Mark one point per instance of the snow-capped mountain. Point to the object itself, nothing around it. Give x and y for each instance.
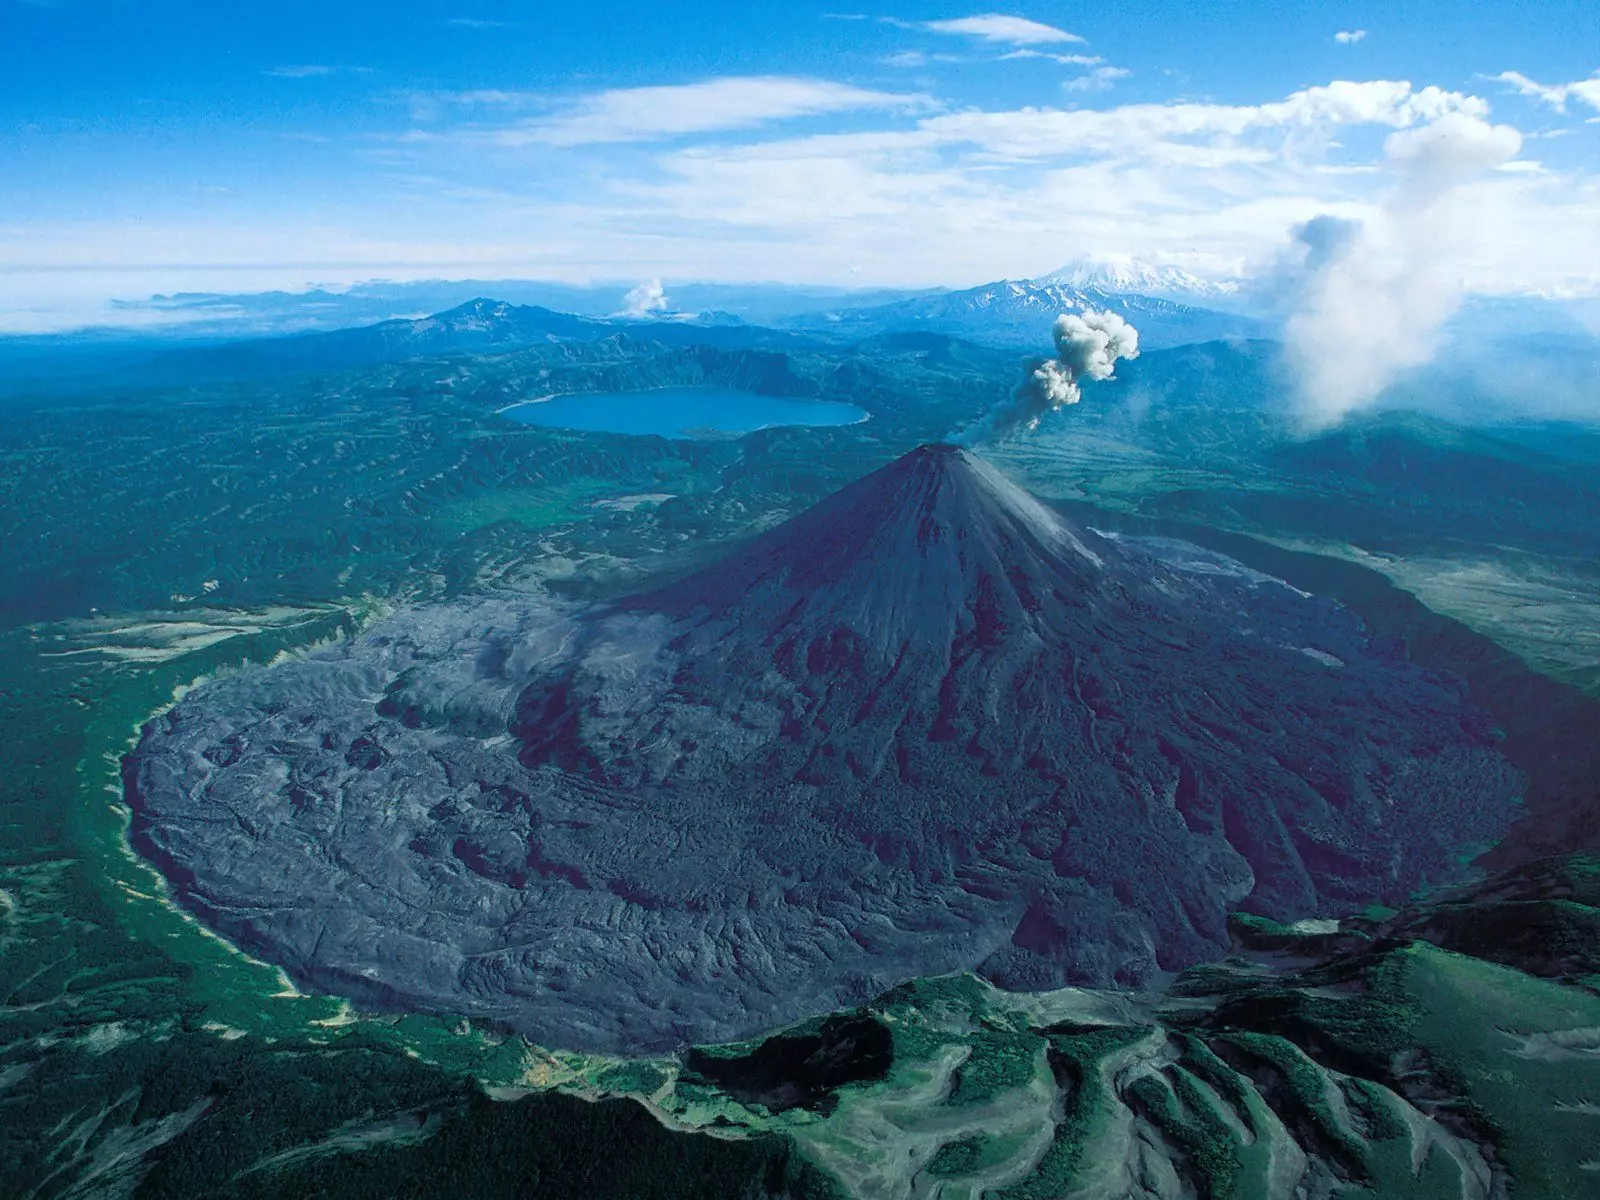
(1129, 275)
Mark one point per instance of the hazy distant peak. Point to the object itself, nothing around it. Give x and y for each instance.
(481, 313)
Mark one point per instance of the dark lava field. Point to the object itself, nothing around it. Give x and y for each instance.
(925, 726)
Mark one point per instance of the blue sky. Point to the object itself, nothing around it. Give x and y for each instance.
(148, 146)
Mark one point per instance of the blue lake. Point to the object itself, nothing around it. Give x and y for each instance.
(682, 412)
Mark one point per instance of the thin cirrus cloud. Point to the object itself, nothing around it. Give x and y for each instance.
(1011, 31)
(312, 71)
(1066, 60)
(1555, 95)
(913, 59)
(1097, 80)
(649, 114)
(300, 71)
(431, 106)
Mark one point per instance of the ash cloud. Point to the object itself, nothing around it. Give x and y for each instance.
(1088, 346)
(1368, 300)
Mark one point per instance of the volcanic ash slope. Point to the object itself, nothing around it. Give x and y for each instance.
(926, 725)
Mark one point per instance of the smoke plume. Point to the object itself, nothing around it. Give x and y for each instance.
(1368, 299)
(1087, 347)
(649, 297)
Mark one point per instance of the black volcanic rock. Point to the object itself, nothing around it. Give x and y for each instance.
(927, 725)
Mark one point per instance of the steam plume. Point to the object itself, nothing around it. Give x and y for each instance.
(1087, 347)
(1369, 299)
(649, 297)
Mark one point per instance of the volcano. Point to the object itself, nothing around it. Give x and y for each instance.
(928, 725)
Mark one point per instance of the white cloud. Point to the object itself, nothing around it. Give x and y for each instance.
(1047, 132)
(1555, 95)
(1349, 37)
(647, 114)
(1097, 80)
(1449, 152)
(1003, 192)
(972, 196)
(993, 27)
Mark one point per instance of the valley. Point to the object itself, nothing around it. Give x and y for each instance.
(724, 601)
(136, 1045)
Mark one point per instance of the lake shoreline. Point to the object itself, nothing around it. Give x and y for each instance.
(699, 411)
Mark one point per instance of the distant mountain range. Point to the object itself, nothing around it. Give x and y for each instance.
(1019, 313)
(1488, 343)
(480, 326)
(1006, 314)
(266, 314)
(214, 316)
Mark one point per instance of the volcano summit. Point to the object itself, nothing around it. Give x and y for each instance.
(927, 725)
